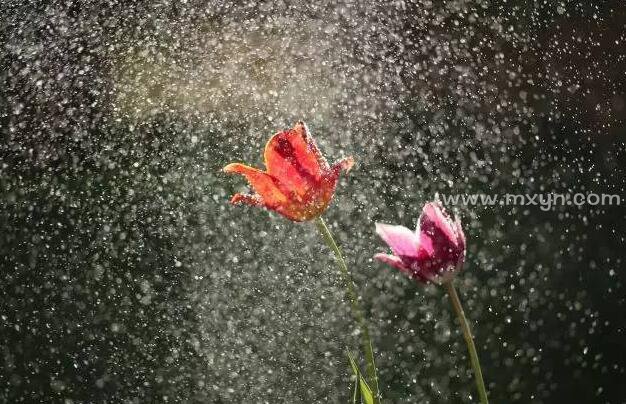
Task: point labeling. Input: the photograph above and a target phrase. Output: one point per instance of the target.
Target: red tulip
(298, 182)
(434, 252)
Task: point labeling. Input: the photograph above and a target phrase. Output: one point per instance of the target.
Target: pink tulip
(433, 252)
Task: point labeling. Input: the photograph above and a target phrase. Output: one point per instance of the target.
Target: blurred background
(127, 278)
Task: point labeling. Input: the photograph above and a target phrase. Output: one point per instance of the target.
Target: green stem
(354, 302)
(469, 340)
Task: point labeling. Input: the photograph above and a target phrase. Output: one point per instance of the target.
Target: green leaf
(366, 393)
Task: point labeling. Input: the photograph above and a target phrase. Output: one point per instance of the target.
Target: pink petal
(426, 247)
(402, 241)
(392, 260)
(459, 233)
(395, 262)
(434, 219)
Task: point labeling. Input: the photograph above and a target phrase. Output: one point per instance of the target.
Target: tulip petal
(252, 200)
(292, 156)
(426, 247)
(344, 164)
(307, 152)
(392, 260)
(434, 221)
(266, 186)
(298, 182)
(401, 265)
(460, 235)
(402, 241)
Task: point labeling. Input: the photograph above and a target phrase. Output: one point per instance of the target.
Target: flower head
(433, 252)
(298, 182)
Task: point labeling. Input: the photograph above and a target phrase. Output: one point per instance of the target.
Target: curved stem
(469, 340)
(354, 302)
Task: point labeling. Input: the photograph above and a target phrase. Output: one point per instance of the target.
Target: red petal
(263, 184)
(287, 210)
(252, 200)
(293, 158)
(343, 164)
